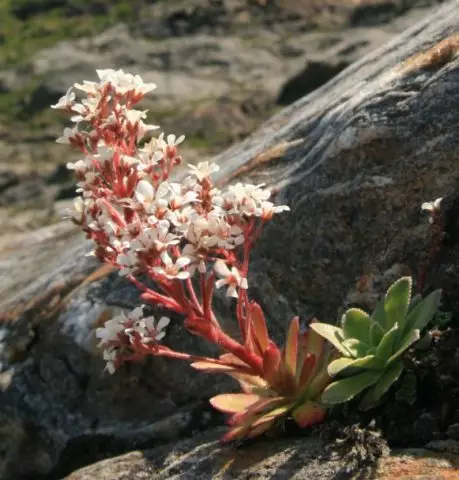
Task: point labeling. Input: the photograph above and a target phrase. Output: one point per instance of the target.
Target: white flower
(150, 198)
(179, 197)
(109, 332)
(68, 134)
(227, 235)
(65, 101)
(232, 278)
(110, 355)
(158, 238)
(80, 165)
(196, 259)
(171, 141)
(433, 208)
(124, 82)
(268, 209)
(172, 270)
(87, 87)
(203, 170)
(86, 110)
(155, 331)
(149, 155)
(145, 192)
(128, 262)
(181, 219)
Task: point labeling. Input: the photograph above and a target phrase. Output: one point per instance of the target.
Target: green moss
(27, 26)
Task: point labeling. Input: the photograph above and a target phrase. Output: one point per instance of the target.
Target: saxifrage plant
(145, 224)
(291, 383)
(372, 346)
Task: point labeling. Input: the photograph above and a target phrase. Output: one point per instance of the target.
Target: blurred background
(222, 67)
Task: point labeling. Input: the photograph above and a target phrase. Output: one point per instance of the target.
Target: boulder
(202, 457)
(354, 159)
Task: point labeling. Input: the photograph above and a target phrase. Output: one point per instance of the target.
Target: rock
(211, 60)
(354, 159)
(24, 192)
(7, 179)
(204, 458)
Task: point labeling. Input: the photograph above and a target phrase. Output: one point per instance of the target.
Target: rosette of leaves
(290, 383)
(372, 346)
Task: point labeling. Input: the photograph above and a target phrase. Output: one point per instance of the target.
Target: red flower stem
(155, 297)
(240, 320)
(193, 297)
(207, 303)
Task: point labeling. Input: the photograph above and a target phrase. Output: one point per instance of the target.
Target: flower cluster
(144, 223)
(119, 336)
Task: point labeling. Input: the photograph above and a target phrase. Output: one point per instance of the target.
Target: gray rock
(296, 459)
(354, 160)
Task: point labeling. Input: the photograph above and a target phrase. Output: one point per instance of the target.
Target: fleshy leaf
(376, 334)
(308, 414)
(414, 301)
(307, 370)
(265, 404)
(374, 394)
(214, 367)
(291, 347)
(272, 367)
(346, 389)
(235, 433)
(356, 348)
(420, 315)
(379, 315)
(234, 402)
(311, 343)
(231, 359)
(397, 301)
(388, 343)
(357, 324)
(258, 429)
(273, 414)
(250, 383)
(407, 341)
(258, 327)
(340, 365)
(318, 383)
(333, 334)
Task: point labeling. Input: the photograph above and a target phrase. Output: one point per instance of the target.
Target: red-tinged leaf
(235, 433)
(250, 383)
(230, 359)
(307, 370)
(234, 402)
(271, 365)
(318, 384)
(291, 347)
(264, 405)
(273, 414)
(214, 367)
(308, 414)
(258, 329)
(265, 422)
(313, 342)
(260, 429)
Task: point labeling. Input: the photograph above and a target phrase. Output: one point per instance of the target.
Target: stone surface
(354, 159)
(296, 459)
(222, 67)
